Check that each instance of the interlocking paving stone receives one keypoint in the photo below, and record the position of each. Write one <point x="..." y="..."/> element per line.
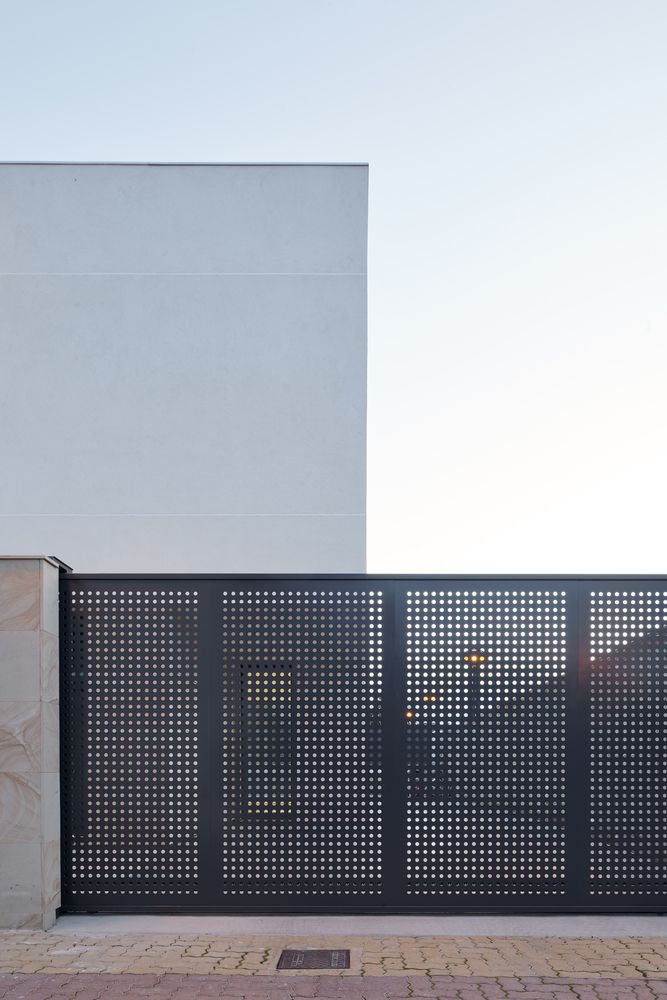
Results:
<point x="36" y="965"/>
<point x="91" y="986"/>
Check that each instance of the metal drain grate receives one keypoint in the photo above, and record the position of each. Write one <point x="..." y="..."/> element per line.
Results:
<point x="315" y="959"/>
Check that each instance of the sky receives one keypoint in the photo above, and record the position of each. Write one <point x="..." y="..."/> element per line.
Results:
<point x="517" y="233"/>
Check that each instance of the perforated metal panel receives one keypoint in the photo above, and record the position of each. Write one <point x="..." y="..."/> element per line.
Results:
<point x="486" y="743"/>
<point x="130" y="742"/>
<point x="301" y="768"/>
<point x="628" y="653"/>
<point x="363" y="744"/>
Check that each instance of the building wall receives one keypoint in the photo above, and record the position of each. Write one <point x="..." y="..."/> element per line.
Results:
<point x="183" y="366"/>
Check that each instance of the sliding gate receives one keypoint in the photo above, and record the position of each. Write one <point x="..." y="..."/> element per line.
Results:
<point x="376" y="744"/>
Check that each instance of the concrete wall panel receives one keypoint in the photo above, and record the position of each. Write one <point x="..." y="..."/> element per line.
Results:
<point x="241" y="395"/>
<point x="184" y="346"/>
<point x="176" y="218"/>
<point x="198" y="544"/>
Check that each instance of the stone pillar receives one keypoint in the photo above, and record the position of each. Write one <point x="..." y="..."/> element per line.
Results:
<point x="29" y="742"/>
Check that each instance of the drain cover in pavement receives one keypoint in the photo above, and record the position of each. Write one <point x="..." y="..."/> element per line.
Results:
<point x="314" y="959"/>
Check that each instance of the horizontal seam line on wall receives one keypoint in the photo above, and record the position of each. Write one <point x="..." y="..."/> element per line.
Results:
<point x="183" y="274"/>
<point x="162" y="514"/>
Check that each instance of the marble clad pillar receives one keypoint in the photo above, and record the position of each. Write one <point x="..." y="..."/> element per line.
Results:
<point x="29" y="750"/>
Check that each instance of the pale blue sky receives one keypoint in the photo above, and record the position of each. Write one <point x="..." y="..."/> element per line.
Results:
<point x="518" y="231"/>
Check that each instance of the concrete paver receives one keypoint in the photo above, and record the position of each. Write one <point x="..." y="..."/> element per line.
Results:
<point x="88" y="986"/>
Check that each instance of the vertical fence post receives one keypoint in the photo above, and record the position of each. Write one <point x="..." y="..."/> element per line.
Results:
<point x="394" y="773"/>
<point x="210" y="764"/>
<point x="577" y="749"/>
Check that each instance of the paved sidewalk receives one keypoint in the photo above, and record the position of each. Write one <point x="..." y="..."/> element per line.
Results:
<point x="38" y="965"/>
<point x="86" y="986"/>
<point x="204" y="954"/>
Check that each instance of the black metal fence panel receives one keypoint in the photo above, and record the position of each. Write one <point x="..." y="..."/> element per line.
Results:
<point x="299" y="795"/>
<point x="628" y="742"/>
<point x="368" y="744"/>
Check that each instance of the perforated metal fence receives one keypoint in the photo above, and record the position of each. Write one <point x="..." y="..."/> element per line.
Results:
<point x="374" y="744"/>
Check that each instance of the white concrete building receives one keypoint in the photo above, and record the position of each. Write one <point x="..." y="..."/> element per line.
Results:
<point x="183" y="366"/>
